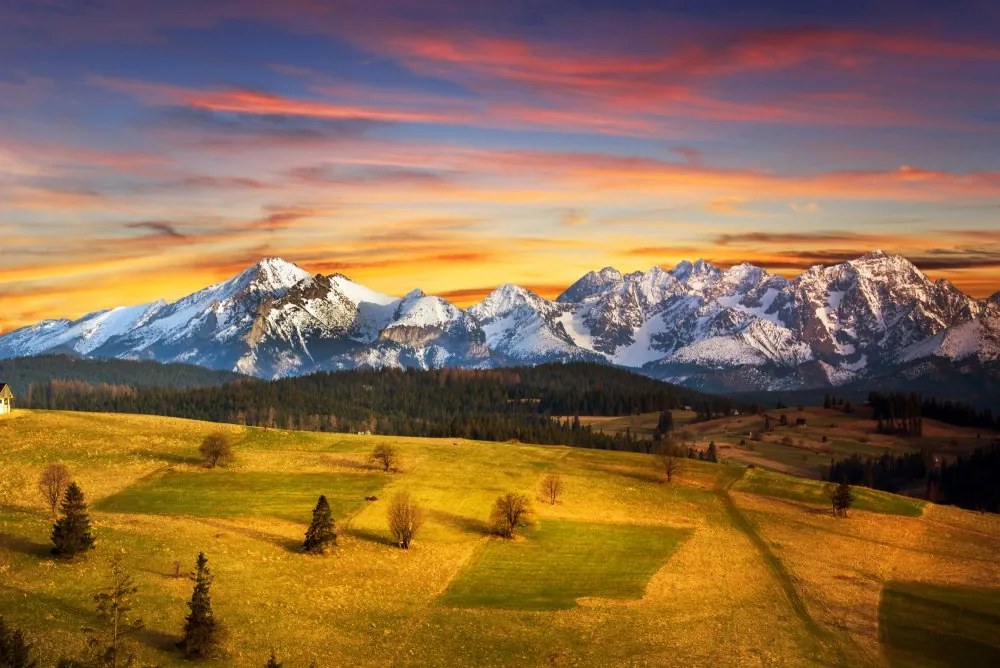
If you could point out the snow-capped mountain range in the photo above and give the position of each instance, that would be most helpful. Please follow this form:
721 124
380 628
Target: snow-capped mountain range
736 329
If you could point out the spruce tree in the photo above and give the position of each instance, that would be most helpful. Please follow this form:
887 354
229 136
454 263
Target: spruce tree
666 422
201 630
713 454
15 651
322 533
71 532
841 497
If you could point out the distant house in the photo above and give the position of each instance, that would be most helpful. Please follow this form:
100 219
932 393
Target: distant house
6 398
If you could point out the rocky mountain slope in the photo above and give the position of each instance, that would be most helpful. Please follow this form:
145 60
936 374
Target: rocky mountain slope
736 329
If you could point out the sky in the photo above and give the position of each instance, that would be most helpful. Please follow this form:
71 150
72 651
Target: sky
149 148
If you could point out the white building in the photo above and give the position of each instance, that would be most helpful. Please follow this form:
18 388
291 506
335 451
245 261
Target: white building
6 398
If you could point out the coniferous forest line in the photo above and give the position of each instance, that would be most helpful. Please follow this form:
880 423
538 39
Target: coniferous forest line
495 404
969 481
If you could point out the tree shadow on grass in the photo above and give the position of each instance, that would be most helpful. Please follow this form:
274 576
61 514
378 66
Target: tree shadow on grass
49 603
642 475
24 545
283 542
803 506
459 522
158 639
353 463
166 457
369 536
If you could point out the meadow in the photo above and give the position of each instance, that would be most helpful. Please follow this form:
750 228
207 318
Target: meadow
803 450
723 566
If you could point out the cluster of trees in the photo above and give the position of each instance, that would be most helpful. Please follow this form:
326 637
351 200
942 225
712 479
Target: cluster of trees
958 413
969 481
897 412
72 536
887 472
832 401
497 404
30 376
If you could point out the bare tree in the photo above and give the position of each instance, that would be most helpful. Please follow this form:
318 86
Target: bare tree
552 487
52 484
671 457
508 512
405 518
216 448
384 457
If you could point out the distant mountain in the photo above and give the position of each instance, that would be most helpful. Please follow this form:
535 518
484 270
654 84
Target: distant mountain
738 329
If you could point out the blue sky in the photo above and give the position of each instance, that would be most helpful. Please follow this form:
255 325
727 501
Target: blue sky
147 149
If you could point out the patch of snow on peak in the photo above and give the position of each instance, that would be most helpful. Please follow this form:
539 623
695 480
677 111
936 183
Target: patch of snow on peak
360 294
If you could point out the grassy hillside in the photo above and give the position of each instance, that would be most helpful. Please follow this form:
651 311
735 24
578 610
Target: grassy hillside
724 566
802 450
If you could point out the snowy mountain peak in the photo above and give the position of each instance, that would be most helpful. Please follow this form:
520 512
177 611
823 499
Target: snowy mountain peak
592 283
698 270
274 275
738 329
503 300
360 294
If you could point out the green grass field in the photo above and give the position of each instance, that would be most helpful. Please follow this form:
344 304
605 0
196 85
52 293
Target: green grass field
932 625
716 568
558 562
224 493
781 486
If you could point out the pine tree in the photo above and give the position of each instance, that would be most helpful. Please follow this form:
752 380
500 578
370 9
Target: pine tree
712 455
15 651
841 497
201 630
71 532
322 533
666 422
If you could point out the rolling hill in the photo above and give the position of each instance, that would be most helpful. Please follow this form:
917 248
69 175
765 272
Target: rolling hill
723 566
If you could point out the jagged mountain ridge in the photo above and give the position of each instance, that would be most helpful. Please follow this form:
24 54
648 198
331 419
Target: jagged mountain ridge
696 324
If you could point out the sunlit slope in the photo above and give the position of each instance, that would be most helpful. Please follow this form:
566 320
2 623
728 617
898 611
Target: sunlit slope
728 567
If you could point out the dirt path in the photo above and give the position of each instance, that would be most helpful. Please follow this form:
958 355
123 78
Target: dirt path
777 569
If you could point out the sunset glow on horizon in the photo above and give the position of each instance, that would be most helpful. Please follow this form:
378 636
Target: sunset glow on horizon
149 149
